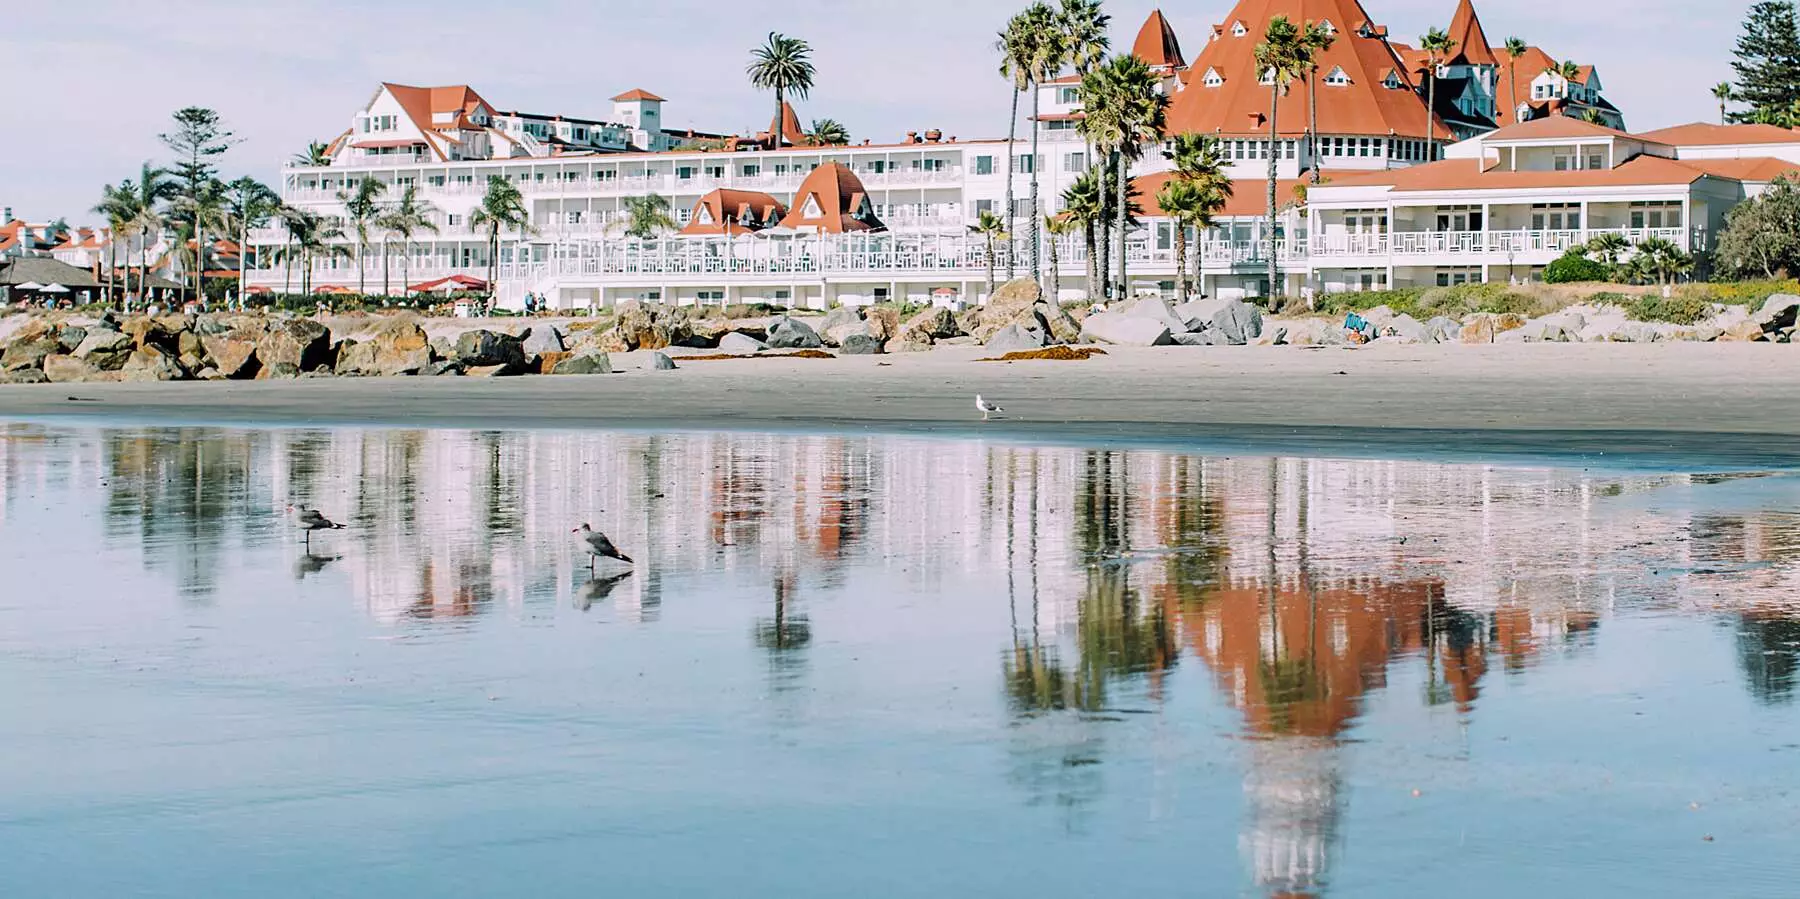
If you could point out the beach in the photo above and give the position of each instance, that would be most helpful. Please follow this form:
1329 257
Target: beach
1726 404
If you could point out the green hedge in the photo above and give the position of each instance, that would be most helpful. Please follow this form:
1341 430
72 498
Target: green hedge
1574 268
1425 303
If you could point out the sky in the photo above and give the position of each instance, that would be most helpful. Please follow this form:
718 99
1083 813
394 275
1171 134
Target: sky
92 86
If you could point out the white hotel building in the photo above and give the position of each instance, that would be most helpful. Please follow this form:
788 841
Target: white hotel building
1463 193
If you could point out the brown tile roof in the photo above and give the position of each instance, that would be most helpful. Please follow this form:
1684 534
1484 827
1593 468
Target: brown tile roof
422 103
791 131
1240 105
1750 168
833 201
1249 196
1467 174
638 93
1526 68
1557 127
729 209
1471 42
1156 44
1704 134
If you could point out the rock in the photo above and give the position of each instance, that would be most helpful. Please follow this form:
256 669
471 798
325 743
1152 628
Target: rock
911 340
1443 329
61 369
143 331
1393 340
397 346
485 349
1011 298
1380 317
787 333
209 374
1157 309
541 339
1199 314
547 362
740 344
24 376
301 343
1015 339
233 353
28 353
882 322
1550 329
1123 330
188 350
1634 332
661 362
1406 326
501 370
839 317
1192 338
588 362
279 371
1238 322
70 337
448 368
960 340
1279 338
937 322
1740 332
1507 321
860 345
105 350
1059 324
1477 329
836 335
1778 313
152 363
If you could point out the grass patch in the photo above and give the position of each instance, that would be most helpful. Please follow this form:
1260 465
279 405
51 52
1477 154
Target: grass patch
1426 303
1680 309
1053 354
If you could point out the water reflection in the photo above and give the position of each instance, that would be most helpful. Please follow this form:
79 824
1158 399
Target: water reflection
1295 592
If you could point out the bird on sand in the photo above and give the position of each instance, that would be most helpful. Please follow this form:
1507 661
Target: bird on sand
596 545
309 520
985 408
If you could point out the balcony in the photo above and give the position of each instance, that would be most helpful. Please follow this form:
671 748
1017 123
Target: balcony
1520 245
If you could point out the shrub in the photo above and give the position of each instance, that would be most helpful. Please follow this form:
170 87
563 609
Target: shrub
1574 268
1680 309
1740 293
1405 299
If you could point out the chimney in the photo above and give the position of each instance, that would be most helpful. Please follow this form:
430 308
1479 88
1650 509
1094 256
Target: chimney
934 135
912 137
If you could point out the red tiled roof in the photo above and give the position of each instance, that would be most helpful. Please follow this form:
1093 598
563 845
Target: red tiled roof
380 144
638 93
1704 134
1249 196
1558 127
729 209
1749 168
1240 105
1526 68
1467 174
791 132
1156 44
833 201
1471 42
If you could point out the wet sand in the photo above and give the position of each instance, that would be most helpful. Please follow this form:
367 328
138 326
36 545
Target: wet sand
1691 405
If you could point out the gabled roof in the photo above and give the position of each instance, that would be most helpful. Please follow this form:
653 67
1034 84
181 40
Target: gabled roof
1156 44
726 211
832 200
1526 68
44 270
1240 104
638 93
1704 134
1472 47
423 104
1558 127
791 132
1749 168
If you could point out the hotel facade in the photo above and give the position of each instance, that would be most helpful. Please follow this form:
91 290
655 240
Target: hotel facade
1517 163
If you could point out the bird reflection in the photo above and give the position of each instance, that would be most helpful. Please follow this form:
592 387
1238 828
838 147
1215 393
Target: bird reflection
597 590
310 564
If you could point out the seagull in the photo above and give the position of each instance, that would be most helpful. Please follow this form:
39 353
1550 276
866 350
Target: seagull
309 520
596 544
985 408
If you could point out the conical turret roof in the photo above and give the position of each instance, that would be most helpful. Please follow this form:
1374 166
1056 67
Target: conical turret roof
1156 44
1472 46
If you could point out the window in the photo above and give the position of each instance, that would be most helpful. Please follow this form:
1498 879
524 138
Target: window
751 170
1327 27
984 165
881 294
710 296
982 206
1267 77
1212 78
1459 218
715 171
1023 165
684 173
929 165
876 167
453 220
1596 161
1392 81
1074 162
435 180
1068 96
606 175
1666 214
1337 78
1238 29
1556 217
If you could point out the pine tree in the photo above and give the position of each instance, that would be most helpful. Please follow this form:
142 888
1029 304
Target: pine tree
1768 59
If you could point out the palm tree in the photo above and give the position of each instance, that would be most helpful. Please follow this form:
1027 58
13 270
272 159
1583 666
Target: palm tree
1082 204
1016 55
992 228
312 237
647 216
361 207
1125 110
828 133
1515 48
153 186
784 65
251 205
1058 226
502 208
1083 26
1437 46
1664 260
1607 247
1282 57
1200 161
1046 53
118 205
407 217
314 155
1315 39
1593 117
1183 204
1722 93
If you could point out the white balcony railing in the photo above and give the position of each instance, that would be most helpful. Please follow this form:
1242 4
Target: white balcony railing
1520 244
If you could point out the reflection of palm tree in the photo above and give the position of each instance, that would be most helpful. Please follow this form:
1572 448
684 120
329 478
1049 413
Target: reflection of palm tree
786 632
1769 651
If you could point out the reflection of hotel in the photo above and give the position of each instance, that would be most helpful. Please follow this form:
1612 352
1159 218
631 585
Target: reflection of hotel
1410 196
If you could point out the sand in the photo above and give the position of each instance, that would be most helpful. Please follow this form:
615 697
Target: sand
1689 405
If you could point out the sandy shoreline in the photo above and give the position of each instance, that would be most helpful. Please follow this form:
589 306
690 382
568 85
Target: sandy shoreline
1702 405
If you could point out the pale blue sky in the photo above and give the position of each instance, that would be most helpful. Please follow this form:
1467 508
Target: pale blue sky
91 84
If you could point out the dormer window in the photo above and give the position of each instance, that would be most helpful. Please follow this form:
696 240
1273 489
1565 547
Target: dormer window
1327 26
811 210
1392 81
1267 78
1337 78
1238 29
1365 30
1212 78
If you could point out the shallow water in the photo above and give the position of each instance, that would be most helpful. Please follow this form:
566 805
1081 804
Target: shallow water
882 666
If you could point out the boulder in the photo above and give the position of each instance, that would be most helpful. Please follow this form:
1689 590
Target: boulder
28 353
1157 309
547 362
541 339
1199 314
297 342
837 334
232 353
1011 298
397 346
787 333
24 376
1778 313
501 370
740 344
1635 332
1443 329
1192 338
484 349
1123 330
278 371
937 322
144 330
209 374
661 362
1406 326
588 362
911 340
1477 329
882 322
1015 339
1060 325
1507 321
839 317
448 368
1238 322
61 369
860 345
70 337
1740 332
152 363
1550 329
188 350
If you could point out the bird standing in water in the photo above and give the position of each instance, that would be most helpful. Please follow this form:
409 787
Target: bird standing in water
309 520
985 408
596 545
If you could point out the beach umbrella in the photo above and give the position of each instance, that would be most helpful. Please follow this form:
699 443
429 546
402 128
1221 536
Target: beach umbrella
28 285
53 288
